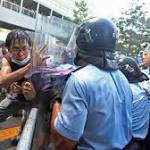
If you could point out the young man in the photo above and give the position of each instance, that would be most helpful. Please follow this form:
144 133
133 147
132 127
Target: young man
7 79
14 65
24 93
96 104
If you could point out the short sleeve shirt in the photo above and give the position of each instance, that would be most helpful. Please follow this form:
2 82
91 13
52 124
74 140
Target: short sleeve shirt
96 109
140 112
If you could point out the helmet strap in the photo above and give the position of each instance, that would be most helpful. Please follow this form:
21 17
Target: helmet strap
105 61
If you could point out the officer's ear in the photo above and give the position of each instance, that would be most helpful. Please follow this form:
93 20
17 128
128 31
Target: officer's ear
77 50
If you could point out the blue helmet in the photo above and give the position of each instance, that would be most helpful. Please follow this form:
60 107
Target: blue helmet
96 39
97 34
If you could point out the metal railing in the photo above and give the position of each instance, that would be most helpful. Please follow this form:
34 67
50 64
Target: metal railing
17 8
25 142
11 6
28 12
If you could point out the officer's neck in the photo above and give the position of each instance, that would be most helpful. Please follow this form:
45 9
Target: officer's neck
81 62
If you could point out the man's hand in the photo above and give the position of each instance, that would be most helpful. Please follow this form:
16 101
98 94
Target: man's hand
22 71
15 88
39 55
28 91
7 77
60 142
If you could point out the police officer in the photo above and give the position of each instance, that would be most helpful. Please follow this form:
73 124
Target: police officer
146 84
96 104
146 68
140 112
146 59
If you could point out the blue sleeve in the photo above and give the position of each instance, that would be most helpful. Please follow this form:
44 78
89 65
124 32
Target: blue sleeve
71 120
140 113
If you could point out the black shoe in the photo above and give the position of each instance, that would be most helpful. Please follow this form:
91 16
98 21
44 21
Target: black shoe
15 140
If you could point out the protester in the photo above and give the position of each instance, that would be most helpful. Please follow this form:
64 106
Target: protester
25 92
7 79
96 110
18 43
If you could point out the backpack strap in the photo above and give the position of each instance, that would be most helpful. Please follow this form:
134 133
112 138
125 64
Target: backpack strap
74 71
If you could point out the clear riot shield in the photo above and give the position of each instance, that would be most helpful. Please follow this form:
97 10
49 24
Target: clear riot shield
52 53
52 57
52 36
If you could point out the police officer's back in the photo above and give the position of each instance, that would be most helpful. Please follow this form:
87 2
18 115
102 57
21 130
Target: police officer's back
97 100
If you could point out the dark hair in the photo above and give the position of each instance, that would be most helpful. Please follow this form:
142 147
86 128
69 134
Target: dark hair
17 34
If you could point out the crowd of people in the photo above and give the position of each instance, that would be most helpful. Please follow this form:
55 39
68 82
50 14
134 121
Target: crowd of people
104 104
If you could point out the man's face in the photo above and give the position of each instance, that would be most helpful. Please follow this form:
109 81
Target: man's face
146 58
20 49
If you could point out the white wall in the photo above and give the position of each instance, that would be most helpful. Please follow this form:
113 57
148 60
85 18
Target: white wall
15 18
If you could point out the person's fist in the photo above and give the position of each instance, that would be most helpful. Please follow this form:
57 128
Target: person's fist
28 90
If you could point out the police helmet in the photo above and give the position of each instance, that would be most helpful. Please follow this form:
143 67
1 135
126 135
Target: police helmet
95 35
130 69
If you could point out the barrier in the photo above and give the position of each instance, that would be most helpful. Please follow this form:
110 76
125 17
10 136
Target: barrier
25 141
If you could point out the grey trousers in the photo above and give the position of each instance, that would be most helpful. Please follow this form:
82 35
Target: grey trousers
10 106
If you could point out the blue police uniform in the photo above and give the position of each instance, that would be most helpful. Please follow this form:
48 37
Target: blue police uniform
146 84
140 111
96 109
